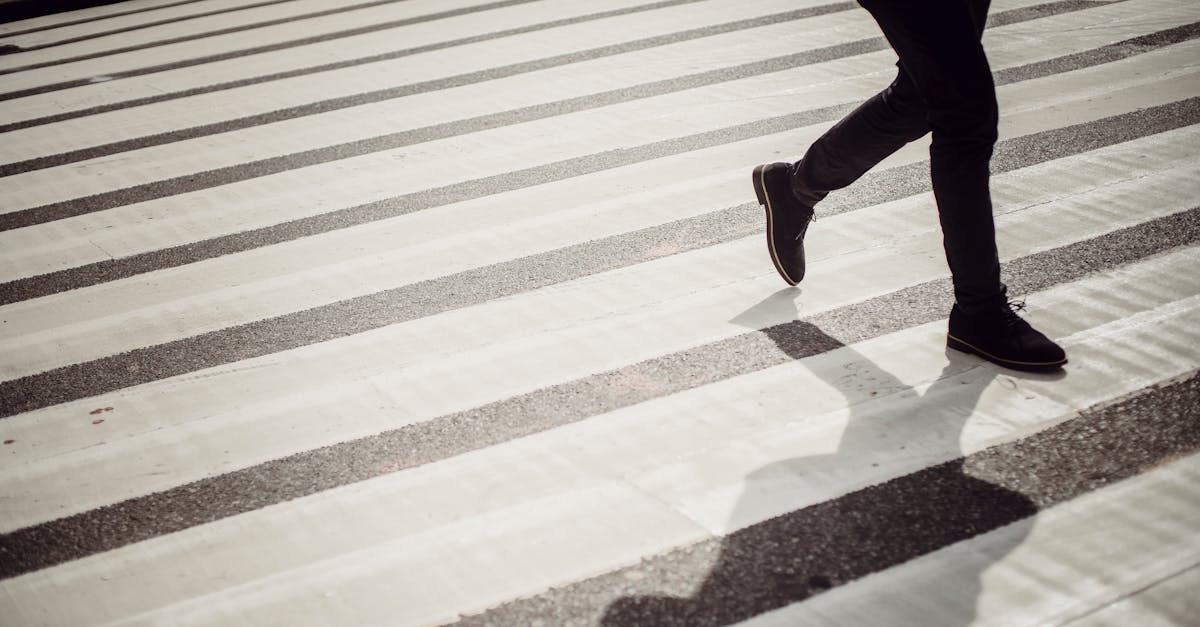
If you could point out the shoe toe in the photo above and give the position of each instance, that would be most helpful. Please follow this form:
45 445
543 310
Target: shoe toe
794 262
1043 350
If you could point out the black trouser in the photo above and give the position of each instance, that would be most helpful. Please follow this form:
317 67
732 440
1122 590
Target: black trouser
944 86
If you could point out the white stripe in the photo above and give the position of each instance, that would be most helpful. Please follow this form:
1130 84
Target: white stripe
1069 560
351 81
500 519
446 363
104 318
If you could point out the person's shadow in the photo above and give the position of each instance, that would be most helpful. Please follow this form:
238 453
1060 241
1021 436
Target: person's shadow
798 554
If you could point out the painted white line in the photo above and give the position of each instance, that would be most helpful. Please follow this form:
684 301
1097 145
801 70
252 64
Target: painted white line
504 519
1068 561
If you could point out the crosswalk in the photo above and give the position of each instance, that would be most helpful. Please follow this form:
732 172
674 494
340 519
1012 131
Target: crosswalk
410 312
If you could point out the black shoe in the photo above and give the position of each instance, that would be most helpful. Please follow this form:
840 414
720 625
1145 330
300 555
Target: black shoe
787 219
1000 336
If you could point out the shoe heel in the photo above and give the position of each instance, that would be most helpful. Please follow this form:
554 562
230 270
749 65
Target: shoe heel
959 345
759 189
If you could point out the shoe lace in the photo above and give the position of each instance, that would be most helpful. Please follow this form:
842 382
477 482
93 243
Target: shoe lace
1010 312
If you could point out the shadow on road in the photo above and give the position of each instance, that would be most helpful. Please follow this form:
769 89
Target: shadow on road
798 554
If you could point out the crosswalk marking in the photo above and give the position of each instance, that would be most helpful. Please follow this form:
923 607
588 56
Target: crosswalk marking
422 312
442 254
364 400
572 472
1168 203
29 349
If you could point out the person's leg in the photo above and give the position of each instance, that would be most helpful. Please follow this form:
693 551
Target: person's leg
788 192
877 128
939 46
945 74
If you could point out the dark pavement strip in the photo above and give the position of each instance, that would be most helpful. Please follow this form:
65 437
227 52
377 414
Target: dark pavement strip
309 472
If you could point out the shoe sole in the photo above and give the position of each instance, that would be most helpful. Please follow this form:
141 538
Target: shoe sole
760 189
1027 366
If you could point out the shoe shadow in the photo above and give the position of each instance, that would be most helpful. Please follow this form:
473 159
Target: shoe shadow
793 555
